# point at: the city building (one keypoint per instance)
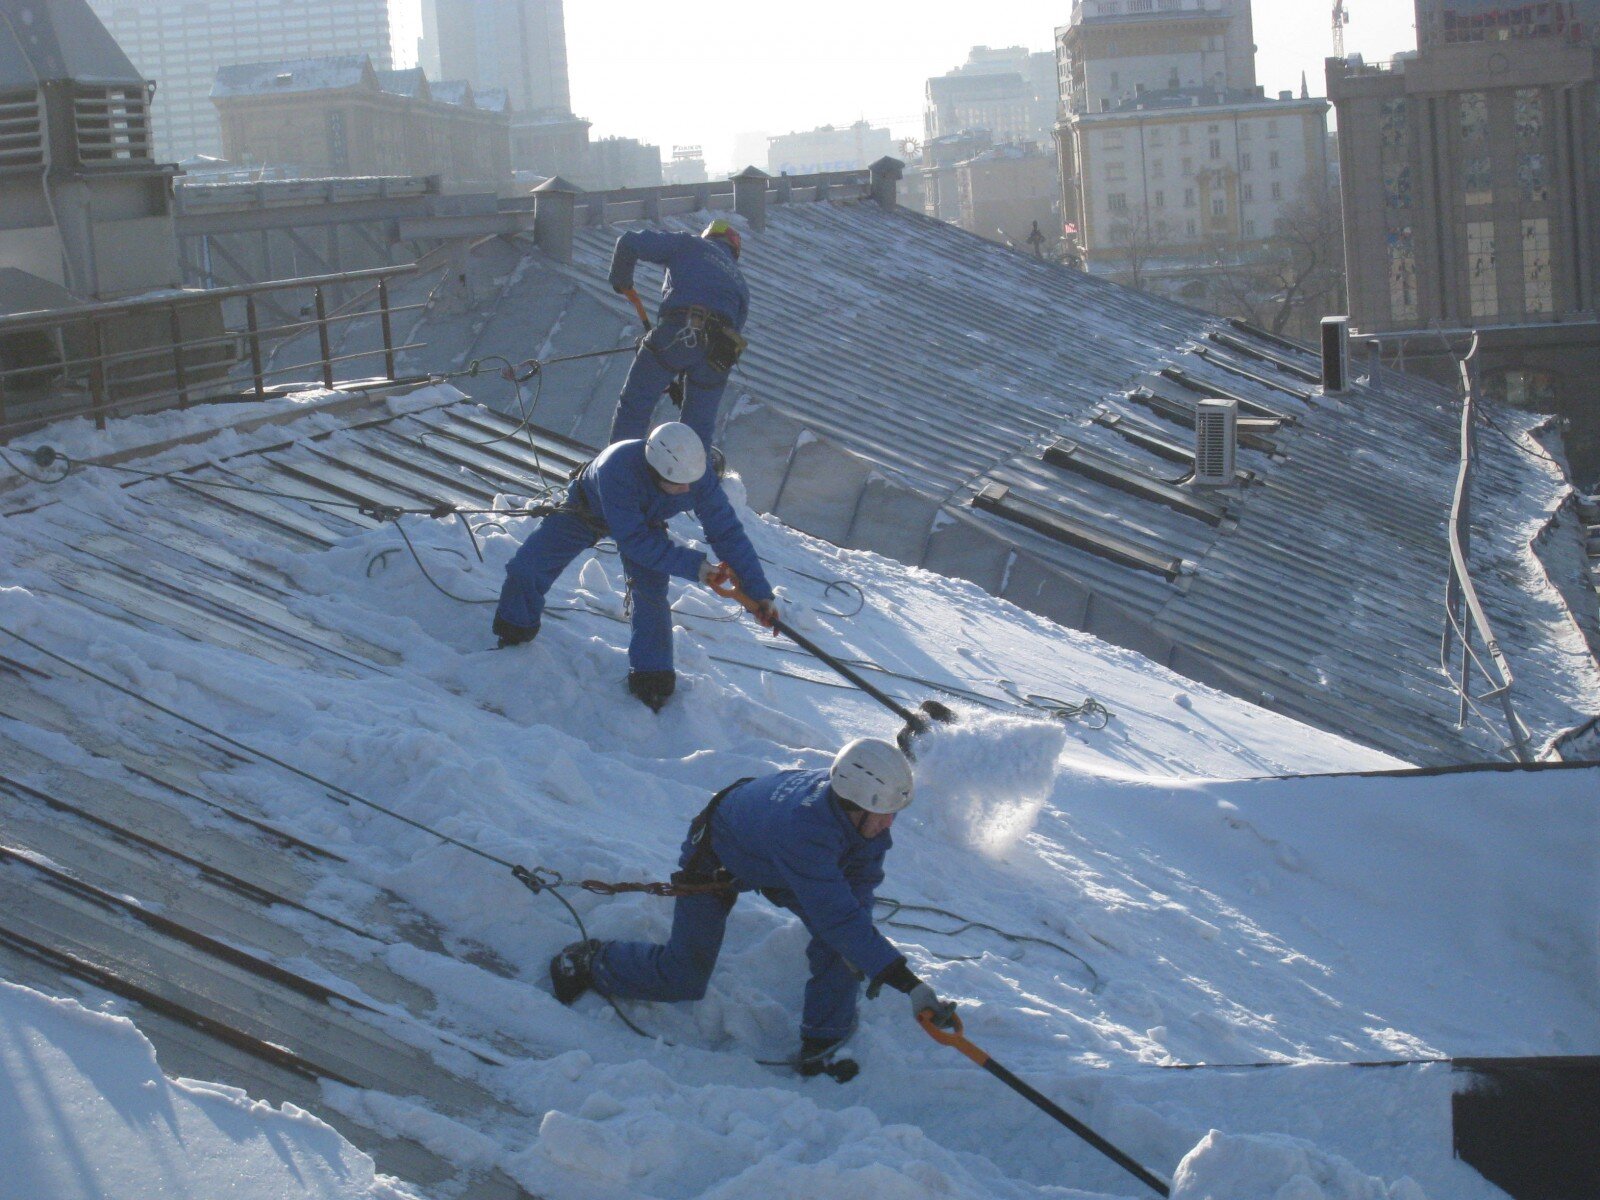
(180, 44)
(847, 148)
(1471, 192)
(941, 156)
(621, 162)
(1177, 173)
(1011, 93)
(1009, 194)
(519, 45)
(688, 165)
(340, 116)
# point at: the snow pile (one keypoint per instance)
(983, 778)
(1272, 1167)
(86, 1113)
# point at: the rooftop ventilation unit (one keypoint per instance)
(1335, 354)
(1216, 425)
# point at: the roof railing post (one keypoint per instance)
(750, 196)
(253, 325)
(179, 377)
(323, 340)
(98, 396)
(388, 329)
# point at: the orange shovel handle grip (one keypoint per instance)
(952, 1037)
(638, 307)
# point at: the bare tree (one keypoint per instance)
(1298, 277)
(1138, 237)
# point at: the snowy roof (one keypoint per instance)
(293, 75)
(409, 81)
(215, 676)
(454, 91)
(58, 40)
(493, 99)
(901, 370)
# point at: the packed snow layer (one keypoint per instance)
(85, 1112)
(1105, 904)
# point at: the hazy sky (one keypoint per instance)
(679, 74)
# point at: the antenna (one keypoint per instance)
(1341, 18)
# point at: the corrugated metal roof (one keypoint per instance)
(898, 367)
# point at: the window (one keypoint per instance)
(1213, 128)
(1244, 161)
(1533, 174)
(1272, 129)
(1482, 273)
(1477, 172)
(1158, 169)
(1111, 140)
(1188, 166)
(1161, 199)
(1277, 191)
(1219, 206)
(1245, 131)
(1247, 193)
(1538, 294)
(1402, 275)
(1190, 228)
(1188, 197)
(1216, 149)
(1116, 172)
(1158, 137)
(1117, 202)
(1272, 161)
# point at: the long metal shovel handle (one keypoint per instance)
(957, 1039)
(730, 589)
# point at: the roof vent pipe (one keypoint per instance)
(1335, 354)
(1216, 424)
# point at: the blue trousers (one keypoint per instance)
(681, 969)
(668, 350)
(549, 550)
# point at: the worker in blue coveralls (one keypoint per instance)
(810, 841)
(628, 493)
(704, 303)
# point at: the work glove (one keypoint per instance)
(767, 615)
(925, 1000)
(715, 574)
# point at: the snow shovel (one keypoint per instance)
(916, 722)
(956, 1038)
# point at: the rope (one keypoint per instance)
(896, 907)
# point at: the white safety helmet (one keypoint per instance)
(872, 774)
(676, 452)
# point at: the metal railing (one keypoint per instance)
(105, 359)
(1464, 613)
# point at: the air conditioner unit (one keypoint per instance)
(1215, 439)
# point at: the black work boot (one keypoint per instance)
(569, 970)
(513, 635)
(654, 688)
(816, 1058)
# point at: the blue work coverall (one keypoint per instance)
(786, 836)
(617, 494)
(700, 272)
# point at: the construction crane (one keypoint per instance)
(1341, 18)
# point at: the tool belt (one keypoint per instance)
(724, 343)
(704, 867)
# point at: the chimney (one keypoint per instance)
(1335, 354)
(555, 217)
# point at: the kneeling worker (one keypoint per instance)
(628, 493)
(810, 841)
